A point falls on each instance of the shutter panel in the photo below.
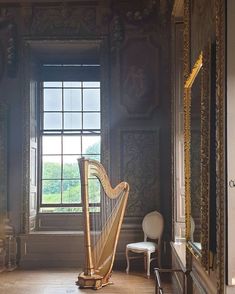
(33, 189)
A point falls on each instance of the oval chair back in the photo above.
(152, 226)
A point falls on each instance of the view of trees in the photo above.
(63, 184)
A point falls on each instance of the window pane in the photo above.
(51, 167)
(91, 120)
(94, 190)
(91, 84)
(72, 100)
(91, 100)
(91, 145)
(94, 157)
(72, 84)
(51, 144)
(52, 121)
(72, 121)
(51, 191)
(72, 144)
(52, 84)
(71, 191)
(52, 100)
(70, 167)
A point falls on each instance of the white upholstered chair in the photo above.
(152, 225)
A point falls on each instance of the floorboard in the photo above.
(62, 281)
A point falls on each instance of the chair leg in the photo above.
(127, 261)
(145, 262)
(148, 264)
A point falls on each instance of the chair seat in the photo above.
(142, 247)
(152, 226)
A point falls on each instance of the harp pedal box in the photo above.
(93, 281)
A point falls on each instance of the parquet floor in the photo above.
(62, 281)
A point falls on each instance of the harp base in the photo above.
(93, 281)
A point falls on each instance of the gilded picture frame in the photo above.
(201, 70)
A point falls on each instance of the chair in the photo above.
(152, 226)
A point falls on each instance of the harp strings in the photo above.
(104, 215)
(101, 223)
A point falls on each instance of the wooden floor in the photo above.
(62, 281)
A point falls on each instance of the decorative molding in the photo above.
(137, 16)
(140, 167)
(64, 20)
(117, 32)
(2, 65)
(220, 142)
(205, 154)
(3, 166)
(202, 25)
(105, 97)
(187, 37)
(186, 68)
(7, 239)
(139, 77)
(25, 225)
(8, 24)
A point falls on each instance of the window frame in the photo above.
(35, 52)
(62, 77)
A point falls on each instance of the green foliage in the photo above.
(94, 150)
(70, 186)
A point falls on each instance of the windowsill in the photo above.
(57, 233)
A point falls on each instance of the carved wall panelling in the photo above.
(220, 145)
(2, 65)
(140, 15)
(140, 78)
(140, 165)
(202, 25)
(142, 12)
(63, 20)
(3, 166)
(8, 246)
(117, 32)
(8, 59)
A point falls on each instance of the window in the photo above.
(70, 127)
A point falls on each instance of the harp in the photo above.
(101, 230)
